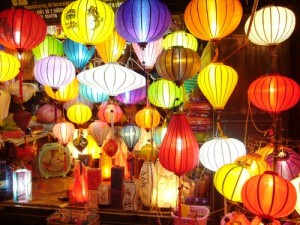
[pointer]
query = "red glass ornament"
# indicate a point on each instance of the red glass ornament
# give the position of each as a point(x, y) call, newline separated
point(110, 148)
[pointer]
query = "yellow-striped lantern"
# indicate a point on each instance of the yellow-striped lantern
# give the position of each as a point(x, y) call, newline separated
point(147, 118)
point(217, 82)
point(180, 38)
point(79, 113)
point(9, 66)
point(255, 162)
point(87, 21)
point(4, 105)
point(265, 151)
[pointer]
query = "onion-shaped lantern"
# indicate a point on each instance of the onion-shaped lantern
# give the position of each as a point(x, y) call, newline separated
point(50, 46)
point(178, 64)
point(141, 21)
point(87, 21)
point(147, 118)
point(148, 153)
point(179, 149)
point(79, 113)
point(130, 135)
point(269, 196)
point(110, 112)
point(78, 53)
point(132, 97)
point(220, 151)
point(99, 131)
point(271, 25)
point(181, 38)
point(112, 78)
point(22, 29)
point(254, 162)
point(64, 132)
point(213, 20)
point(274, 93)
point(112, 48)
point(9, 66)
point(217, 82)
point(4, 105)
point(92, 94)
point(165, 94)
point(54, 71)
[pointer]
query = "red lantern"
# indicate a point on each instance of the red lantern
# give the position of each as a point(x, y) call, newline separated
point(110, 148)
point(110, 112)
point(179, 149)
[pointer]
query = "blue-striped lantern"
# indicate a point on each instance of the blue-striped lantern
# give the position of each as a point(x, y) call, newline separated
point(130, 135)
point(92, 94)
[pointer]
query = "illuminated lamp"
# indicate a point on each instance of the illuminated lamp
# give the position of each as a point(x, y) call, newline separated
point(110, 147)
point(265, 151)
point(220, 151)
point(148, 153)
point(296, 183)
point(49, 46)
point(25, 58)
point(78, 53)
point(87, 21)
point(54, 71)
point(92, 94)
point(269, 196)
point(159, 134)
point(147, 118)
point(22, 186)
point(165, 94)
point(254, 162)
point(109, 112)
point(182, 39)
point(259, 221)
point(229, 180)
point(213, 20)
point(178, 64)
point(148, 184)
point(112, 48)
point(274, 93)
point(271, 25)
point(77, 100)
point(132, 97)
point(79, 113)
point(130, 135)
point(92, 149)
point(105, 166)
point(4, 105)
point(99, 131)
point(217, 82)
point(112, 78)
point(141, 21)
point(9, 66)
point(73, 149)
point(64, 132)
point(234, 217)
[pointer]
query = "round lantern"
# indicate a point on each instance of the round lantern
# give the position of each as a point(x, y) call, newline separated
point(130, 135)
point(178, 64)
point(220, 151)
point(217, 82)
point(296, 183)
point(64, 132)
point(78, 53)
point(213, 20)
point(4, 105)
point(78, 100)
point(147, 118)
point(109, 112)
point(87, 21)
point(132, 97)
point(271, 25)
point(9, 66)
point(92, 94)
point(110, 147)
point(259, 221)
point(54, 71)
point(112, 48)
point(159, 135)
point(79, 113)
point(254, 162)
point(274, 93)
point(99, 130)
point(179, 149)
point(165, 94)
point(269, 196)
point(141, 21)
point(22, 29)
point(180, 38)
point(50, 46)
point(229, 180)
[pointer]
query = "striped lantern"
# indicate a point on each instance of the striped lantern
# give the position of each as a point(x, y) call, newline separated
point(109, 112)
point(259, 221)
point(265, 151)
point(79, 113)
point(64, 132)
point(147, 118)
point(99, 131)
point(92, 94)
point(130, 135)
point(132, 97)
point(9, 66)
point(255, 162)
point(182, 39)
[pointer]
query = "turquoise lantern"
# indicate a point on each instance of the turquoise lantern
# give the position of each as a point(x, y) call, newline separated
point(91, 94)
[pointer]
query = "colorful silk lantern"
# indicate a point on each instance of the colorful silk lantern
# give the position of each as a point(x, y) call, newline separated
point(274, 93)
point(182, 39)
point(220, 151)
point(217, 82)
point(79, 113)
point(99, 131)
point(271, 25)
point(191, 84)
point(141, 21)
point(159, 134)
point(54, 71)
point(179, 149)
point(79, 194)
point(4, 105)
point(265, 151)
point(178, 64)
point(147, 118)
point(25, 59)
point(296, 183)
point(92, 149)
point(109, 112)
point(78, 100)
point(112, 78)
point(110, 147)
point(269, 196)
point(87, 21)
point(132, 97)
point(64, 132)
point(9, 66)
point(130, 135)
point(213, 20)
point(22, 29)
point(255, 162)
point(92, 94)
point(148, 153)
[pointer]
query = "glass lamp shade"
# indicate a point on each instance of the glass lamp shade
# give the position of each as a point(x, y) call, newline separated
point(109, 112)
point(99, 131)
point(274, 93)
point(92, 94)
point(269, 196)
point(165, 94)
point(4, 105)
point(148, 54)
point(49, 46)
point(220, 151)
point(132, 97)
point(112, 78)
point(255, 162)
point(79, 113)
point(22, 29)
point(64, 132)
point(213, 20)
point(271, 25)
point(179, 149)
point(112, 48)
point(54, 71)
point(178, 64)
point(9, 66)
point(217, 82)
point(130, 135)
point(87, 21)
point(182, 39)
point(296, 183)
point(147, 118)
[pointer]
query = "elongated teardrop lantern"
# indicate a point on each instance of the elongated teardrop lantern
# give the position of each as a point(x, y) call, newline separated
point(147, 118)
point(110, 112)
point(99, 131)
point(130, 135)
point(79, 113)
point(92, 94)
point(182, 39)
point(64, 132)
point(132, 97)
point(9, 66)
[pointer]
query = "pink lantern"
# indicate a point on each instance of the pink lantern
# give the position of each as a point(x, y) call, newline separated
point(99, 131)
point(64, 132)
point(110, 112)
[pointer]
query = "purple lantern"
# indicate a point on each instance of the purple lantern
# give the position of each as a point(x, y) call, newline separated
point(132, 97)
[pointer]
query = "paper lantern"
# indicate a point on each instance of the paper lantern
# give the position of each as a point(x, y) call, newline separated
point(147, 118)
point(271, 25)
point(99, 131)
point(182, 39)
point(191, 84)
point(109, 112)
point(92, 94)
point(165, 94)
point(63, 131)
point(220, 151)
point(132, 97)
point(269, 196)
point(178, 64)
point(213, 20)
point(92, 149)
point(4, 105)
point(296, 183)
point(159, 135)
point(22, 29)
point(130, 135)
point(54, 71)
point(141, 21)
point(217, 82)
point(78, 100)
point(110, 147)
point(179, 149)
point(87, 21)
point(22, 186)
point(274, 93)
point(255, 162)
point(79, 113)
point(9, 66)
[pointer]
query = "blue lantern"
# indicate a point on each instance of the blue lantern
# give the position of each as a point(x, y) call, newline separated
point(92, 94)
point(130, 134)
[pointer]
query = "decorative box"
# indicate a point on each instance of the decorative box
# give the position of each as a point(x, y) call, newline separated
point(93, 178)
point(92, 202)
point(104, 194)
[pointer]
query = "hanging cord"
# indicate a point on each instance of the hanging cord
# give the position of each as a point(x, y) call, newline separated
point(219, 131)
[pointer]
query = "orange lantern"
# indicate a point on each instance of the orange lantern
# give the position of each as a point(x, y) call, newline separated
point(147, 118)
point(110, 112)
point(110, 148)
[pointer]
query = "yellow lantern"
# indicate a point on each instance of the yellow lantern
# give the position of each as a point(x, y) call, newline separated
point(87, 21)
point(4, 105)
point(79, 113)
point(147, 118)
point(265, 151)
point(148, 153)
point(182, 39)
point(217, 82)
point(9, 66)
point(255, 163)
